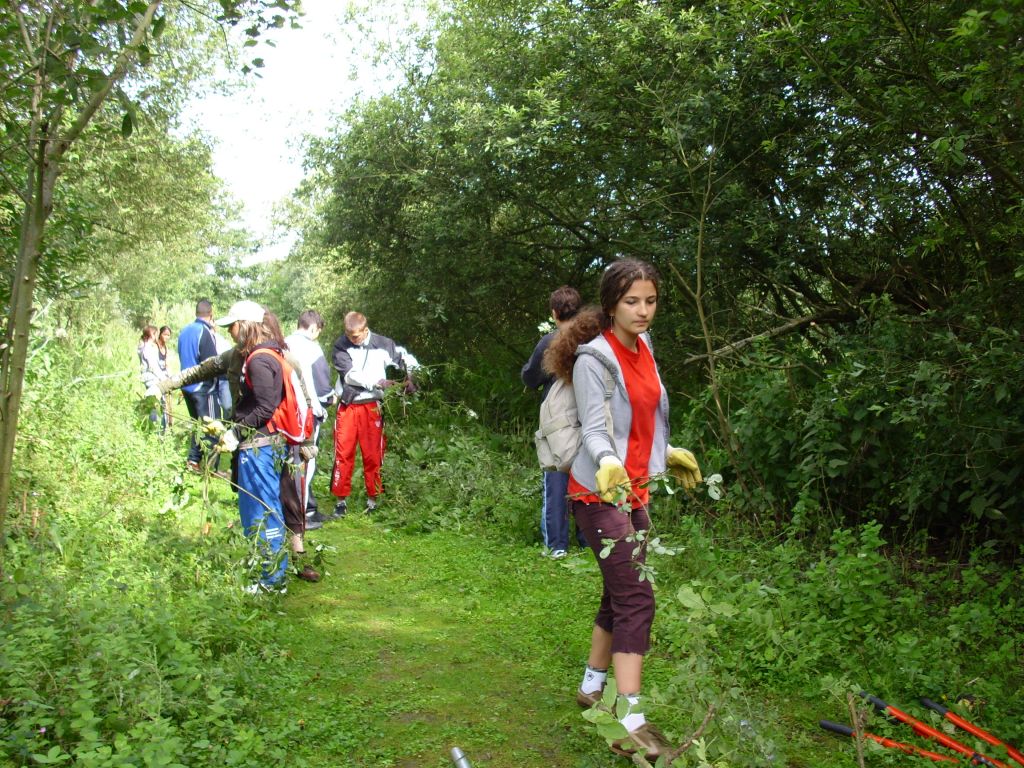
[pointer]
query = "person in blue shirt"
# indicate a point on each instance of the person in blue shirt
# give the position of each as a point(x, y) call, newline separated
point(196, 343)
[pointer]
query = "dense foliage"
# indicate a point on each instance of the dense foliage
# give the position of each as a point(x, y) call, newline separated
point(63, 65)
point(138, 212)
point(127, 642)
point(832, 193)
point(125, 638)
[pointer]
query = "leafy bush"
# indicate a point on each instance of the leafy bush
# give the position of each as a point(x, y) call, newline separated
point(909, 423)
point(446, 470)
point(739, 613)
point(125, 640)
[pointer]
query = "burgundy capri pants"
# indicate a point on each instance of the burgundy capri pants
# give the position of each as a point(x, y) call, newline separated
point(627, 603)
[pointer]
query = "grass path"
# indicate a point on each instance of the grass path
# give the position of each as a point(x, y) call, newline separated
point(413, 644)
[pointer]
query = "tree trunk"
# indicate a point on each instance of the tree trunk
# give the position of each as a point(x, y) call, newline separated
point(46, 145)
point(19, 319)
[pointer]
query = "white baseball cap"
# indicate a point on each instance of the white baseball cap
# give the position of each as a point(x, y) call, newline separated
point(243, 310)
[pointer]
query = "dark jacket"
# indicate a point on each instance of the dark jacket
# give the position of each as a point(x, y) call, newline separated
point(261, 390)
point(533, 373)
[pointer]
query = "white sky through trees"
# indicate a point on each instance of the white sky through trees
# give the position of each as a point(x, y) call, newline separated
point(309, 75)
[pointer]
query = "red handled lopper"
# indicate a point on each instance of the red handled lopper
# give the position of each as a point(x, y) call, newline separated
point(974, 730)
point(926, 730)
point(910, 749)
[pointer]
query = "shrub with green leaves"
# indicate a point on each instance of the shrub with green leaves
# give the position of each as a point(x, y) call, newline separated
point(739, 614)
point(447, 470)
point(124, 638)
point(898, 422)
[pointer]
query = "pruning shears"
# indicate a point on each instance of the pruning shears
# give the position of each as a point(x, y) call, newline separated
point(927, 731)
point(910, 749)
point(1014, 753)
point(923, 729)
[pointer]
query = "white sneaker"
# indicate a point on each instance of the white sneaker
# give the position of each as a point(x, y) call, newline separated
point(558, 554)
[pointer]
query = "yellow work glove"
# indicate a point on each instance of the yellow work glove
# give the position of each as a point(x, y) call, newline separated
point(213, 427)
point(228, 442)
point(612, 481)
point(683, 466)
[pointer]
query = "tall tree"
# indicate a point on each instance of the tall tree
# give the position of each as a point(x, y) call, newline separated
point(814, 182)
point(62, 62)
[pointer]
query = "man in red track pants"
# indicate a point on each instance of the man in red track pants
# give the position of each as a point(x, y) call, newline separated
point(362, 359)
point(362, 424)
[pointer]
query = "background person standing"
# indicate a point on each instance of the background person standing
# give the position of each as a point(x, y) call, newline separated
point(161, 345)
point(260, 454)
point(316, 374)
point(554, 513)
point(362, 359)
point(223, 402)
point(149, 367)
point(197, 343)
point(229, 364)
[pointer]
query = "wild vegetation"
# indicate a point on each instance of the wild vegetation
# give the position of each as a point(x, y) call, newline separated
point(127, 640)
point(831, 192)
point(833, 196)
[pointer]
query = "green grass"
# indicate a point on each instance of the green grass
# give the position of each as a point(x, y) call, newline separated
point(414, 644)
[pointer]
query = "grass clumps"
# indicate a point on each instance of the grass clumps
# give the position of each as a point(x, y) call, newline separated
point(124, 639)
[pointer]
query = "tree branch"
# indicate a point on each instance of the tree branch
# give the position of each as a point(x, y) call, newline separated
point(118, 72)
point(829, 315)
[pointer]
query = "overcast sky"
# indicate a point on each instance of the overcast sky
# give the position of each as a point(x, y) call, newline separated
point(309, 75)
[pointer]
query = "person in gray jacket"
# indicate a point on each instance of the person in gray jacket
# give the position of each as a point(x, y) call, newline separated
point(608, 479)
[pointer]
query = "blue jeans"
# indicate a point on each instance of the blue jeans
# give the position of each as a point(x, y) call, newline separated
point(259, 507)
point(554, 516)
point(223, 398)
point(201, 403)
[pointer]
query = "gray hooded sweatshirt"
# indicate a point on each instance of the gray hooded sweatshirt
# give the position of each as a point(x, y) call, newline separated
point(592, 359)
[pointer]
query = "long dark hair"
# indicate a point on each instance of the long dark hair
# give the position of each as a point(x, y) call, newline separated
point(272, 327)
point(591, 321)
point(560, 356)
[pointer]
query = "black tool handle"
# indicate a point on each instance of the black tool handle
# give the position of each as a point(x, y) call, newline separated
point(880, 705)
point(842, 730)
point(935, 706)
